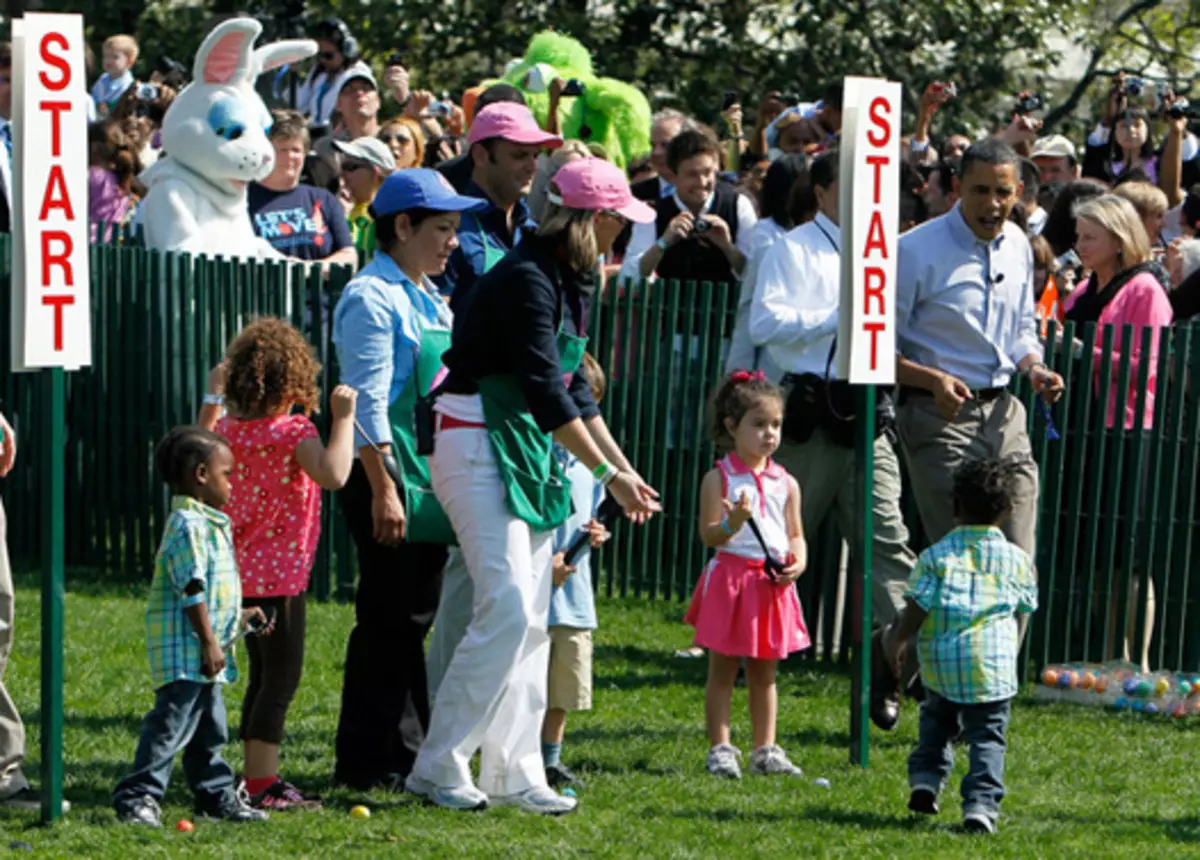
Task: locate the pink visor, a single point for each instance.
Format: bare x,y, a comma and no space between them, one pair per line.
593,183
512,122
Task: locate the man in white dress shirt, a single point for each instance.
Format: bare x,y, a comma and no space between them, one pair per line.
795,316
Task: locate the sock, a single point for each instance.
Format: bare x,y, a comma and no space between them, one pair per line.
551,754
258,786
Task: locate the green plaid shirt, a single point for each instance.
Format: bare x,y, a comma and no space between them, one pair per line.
197,544
972,583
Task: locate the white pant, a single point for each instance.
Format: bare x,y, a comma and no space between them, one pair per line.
451,622
493,695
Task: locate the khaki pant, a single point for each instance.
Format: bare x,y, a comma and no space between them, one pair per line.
935,447
12,730
825,473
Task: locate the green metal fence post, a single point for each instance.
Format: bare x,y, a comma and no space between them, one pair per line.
864,539
53,476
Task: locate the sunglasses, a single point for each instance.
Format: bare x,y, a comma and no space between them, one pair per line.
326,55
403,140
614,215
352,166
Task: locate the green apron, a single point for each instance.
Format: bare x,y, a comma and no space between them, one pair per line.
535,486
426,520
491,254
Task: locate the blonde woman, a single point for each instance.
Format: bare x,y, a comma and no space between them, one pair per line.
1122,289
406,140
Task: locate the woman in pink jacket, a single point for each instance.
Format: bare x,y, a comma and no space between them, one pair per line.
1122,290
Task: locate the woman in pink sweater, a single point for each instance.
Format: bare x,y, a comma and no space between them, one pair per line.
1122,289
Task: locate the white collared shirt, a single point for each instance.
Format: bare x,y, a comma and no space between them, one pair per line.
794,313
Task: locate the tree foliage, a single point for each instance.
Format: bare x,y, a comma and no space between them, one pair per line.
687,53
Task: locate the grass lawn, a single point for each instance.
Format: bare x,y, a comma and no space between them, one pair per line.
1083,783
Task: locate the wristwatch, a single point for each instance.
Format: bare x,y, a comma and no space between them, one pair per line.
662,244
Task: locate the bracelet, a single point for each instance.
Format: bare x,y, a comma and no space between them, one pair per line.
605,473
662,244
214,399
728,529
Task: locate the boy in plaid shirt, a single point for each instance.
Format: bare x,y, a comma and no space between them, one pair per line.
194,612
970,596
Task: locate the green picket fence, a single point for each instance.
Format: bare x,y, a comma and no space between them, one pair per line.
160,322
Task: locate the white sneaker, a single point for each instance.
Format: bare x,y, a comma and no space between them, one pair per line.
770,759
723,761
539,800
462,798
978,822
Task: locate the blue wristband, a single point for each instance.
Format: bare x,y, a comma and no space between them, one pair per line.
190,600
725,527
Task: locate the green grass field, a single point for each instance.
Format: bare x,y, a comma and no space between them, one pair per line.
1082,783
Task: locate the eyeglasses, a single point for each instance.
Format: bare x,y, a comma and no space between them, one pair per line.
403,140
351,166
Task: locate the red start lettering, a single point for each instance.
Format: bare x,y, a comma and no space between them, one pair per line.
58,303
60,257
881,132
58,61
56,196
55,109
878,162
874,329
875,237
875,283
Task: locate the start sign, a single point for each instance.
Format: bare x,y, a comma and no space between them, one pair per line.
50,170
869,210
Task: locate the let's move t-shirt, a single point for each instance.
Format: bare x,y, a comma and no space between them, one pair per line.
307,223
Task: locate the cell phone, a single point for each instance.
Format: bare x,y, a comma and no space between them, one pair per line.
731,98
440,109
396,59
1030,102
147,92
573,88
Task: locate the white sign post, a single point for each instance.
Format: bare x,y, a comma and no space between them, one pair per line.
51,303
869,214
869,207
51,171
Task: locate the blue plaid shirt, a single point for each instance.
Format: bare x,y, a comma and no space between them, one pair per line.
197,545
972,583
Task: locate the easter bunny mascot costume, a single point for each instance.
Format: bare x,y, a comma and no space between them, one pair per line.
215,137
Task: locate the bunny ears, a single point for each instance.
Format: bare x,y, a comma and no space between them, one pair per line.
228,55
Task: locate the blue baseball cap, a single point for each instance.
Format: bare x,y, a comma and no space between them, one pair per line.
421,188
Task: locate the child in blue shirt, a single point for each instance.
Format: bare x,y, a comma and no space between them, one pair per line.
119,55
572,606
970,596
193,615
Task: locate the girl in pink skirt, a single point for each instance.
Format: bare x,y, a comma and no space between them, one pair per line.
742,609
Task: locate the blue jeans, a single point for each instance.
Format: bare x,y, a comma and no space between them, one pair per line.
984,727
190,717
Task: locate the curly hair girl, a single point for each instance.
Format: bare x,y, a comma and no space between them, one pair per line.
736,394
270,368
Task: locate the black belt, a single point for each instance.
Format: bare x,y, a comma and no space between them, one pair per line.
986,395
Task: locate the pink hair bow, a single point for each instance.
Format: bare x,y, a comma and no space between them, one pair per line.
747,376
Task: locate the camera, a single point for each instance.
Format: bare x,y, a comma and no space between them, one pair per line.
147,92
731,98
1134,86
396,59
573,88
1183,109
701,226
441,109
1030,102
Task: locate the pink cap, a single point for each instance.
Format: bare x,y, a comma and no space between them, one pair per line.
512,122
593,183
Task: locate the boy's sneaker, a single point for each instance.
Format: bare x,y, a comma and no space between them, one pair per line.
231,806
462,798
143,810
723,761
539,800
770,759
978,822
557,776
923,801
281,795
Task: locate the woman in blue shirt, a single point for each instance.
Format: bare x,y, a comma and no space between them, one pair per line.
390,327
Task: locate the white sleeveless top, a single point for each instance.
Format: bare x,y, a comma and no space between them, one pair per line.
768,494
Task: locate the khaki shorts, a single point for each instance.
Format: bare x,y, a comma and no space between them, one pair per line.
570,687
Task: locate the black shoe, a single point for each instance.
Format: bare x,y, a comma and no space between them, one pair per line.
923,801
885,688
231,806
557,776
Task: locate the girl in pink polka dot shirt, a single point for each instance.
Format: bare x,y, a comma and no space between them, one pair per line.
268,384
